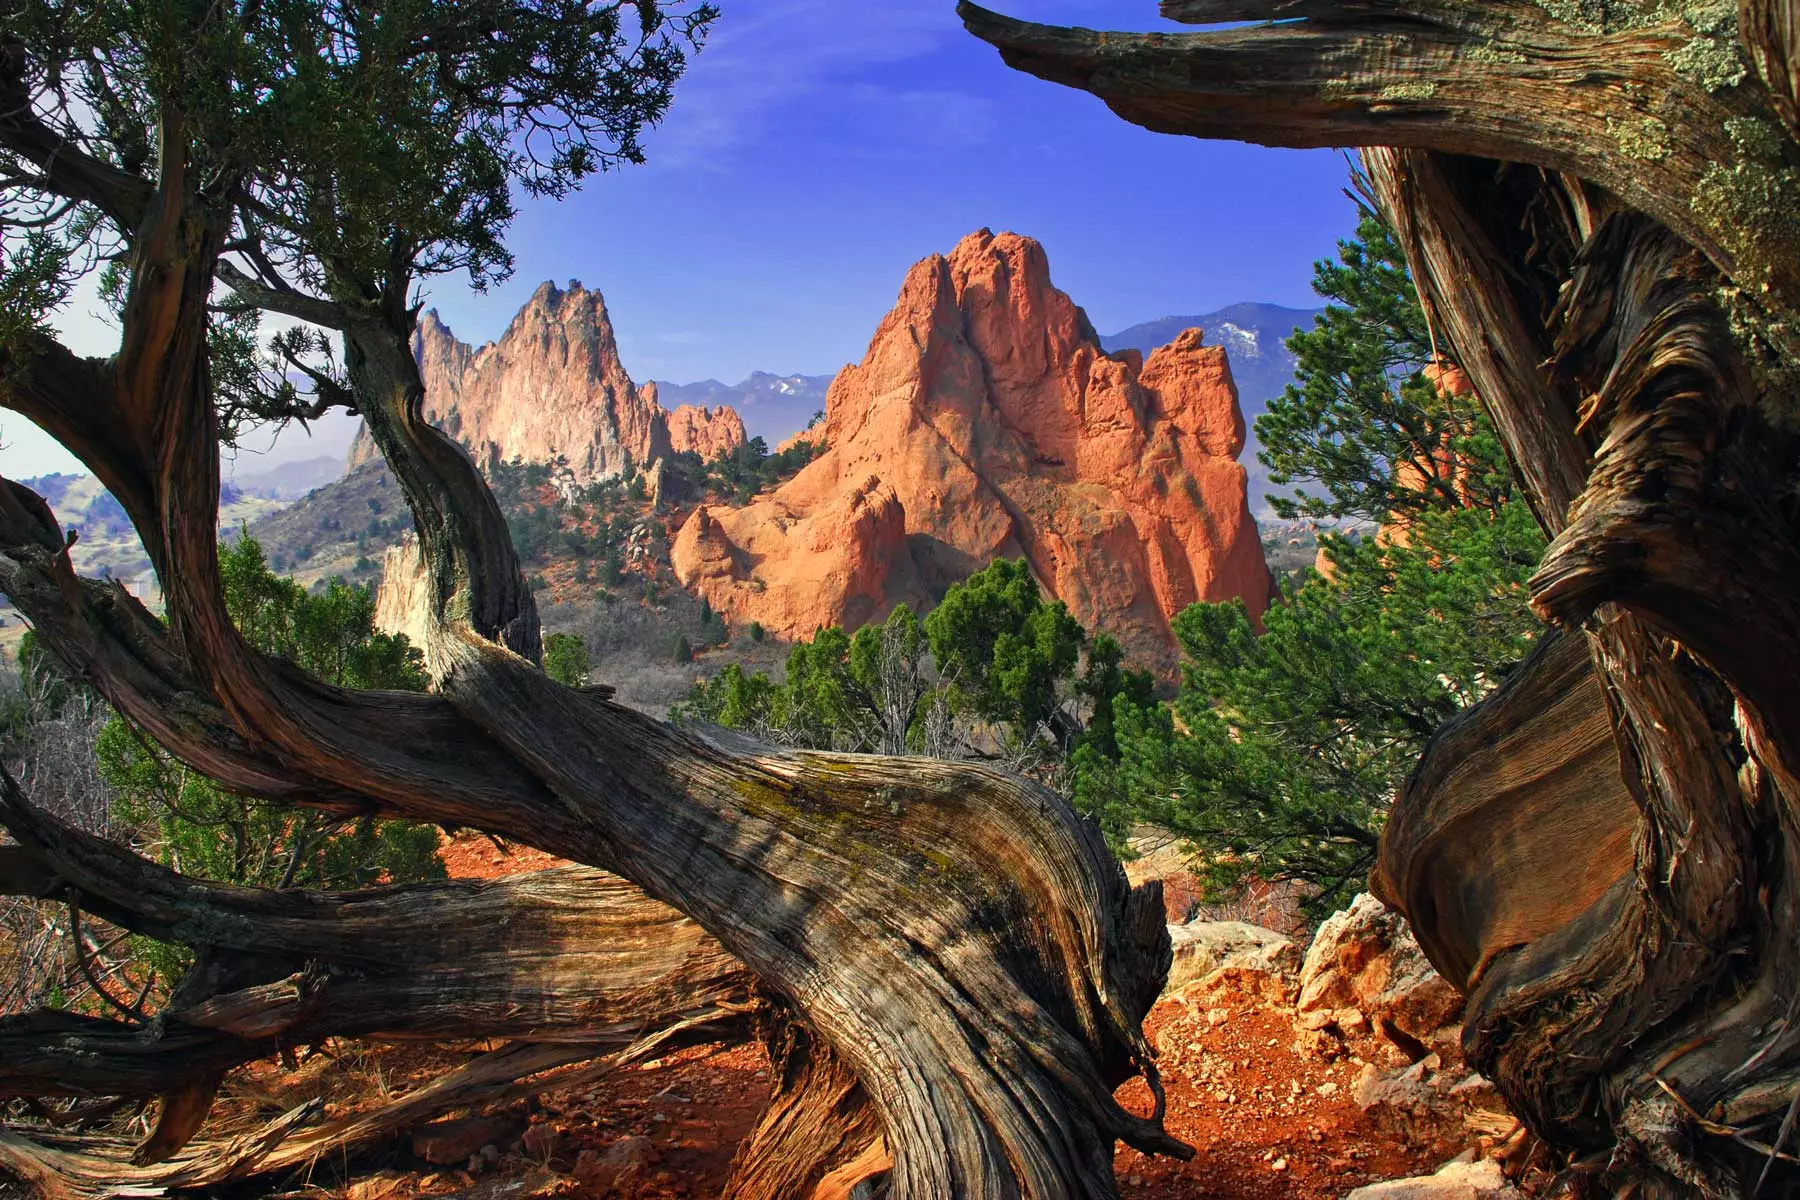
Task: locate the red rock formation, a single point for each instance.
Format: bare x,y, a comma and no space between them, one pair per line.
1443,469
985,420
708,432
835,564
812,435
553,387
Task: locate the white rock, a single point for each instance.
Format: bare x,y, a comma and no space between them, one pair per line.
1455,1181
1203,947
1365,959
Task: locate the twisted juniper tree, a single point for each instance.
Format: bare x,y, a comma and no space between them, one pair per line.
948,965
1600,202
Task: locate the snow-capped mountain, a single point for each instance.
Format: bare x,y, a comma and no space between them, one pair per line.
773,406
1255,337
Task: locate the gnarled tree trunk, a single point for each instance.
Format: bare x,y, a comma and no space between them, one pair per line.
1598,204
963,961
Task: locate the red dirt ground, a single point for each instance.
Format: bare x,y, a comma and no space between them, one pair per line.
1264,1121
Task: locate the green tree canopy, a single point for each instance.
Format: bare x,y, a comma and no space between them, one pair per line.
200,828
1004,649
343,150
1283,749
1363,424
886,690
566,659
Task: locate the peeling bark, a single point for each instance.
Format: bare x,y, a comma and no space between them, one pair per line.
956,941
1597,206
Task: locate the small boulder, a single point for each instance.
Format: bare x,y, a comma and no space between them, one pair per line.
1365,959
625,1162
1407,1091
1425,1103
540,1143
454,1142
1202,947
1481,1180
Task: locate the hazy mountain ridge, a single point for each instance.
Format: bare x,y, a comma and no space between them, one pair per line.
107,544
286,481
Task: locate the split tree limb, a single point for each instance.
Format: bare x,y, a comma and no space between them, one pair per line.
1498,80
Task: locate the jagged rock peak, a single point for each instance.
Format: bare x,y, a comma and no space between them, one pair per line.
552,387
987,410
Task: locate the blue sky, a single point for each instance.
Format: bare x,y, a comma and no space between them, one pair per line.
816,149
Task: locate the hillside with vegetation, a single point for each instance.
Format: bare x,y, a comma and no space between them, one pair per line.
294,904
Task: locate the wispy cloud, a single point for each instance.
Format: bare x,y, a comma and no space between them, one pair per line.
910,119
759,63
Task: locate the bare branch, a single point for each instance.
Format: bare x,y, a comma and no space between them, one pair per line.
1494,80
285,300
63,166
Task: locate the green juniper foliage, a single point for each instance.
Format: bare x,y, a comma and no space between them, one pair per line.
993,654
193,825
1363,426
1283,750
349,150
566,659
1005,650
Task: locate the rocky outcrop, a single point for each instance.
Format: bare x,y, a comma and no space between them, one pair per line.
1202,947
552,388
995,425
1477,1179
838,560
708,432
1365,970
812,435
403,601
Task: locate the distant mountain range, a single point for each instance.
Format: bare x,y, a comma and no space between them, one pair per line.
108,544
1255,337
773,406
1253,334
777,406
285,481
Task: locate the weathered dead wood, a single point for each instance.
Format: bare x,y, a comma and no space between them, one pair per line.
1601,96
576,961
1770,30
94,1167
928,944
1641,953
820,1136
571,954
1510,788
1609,248
78,1175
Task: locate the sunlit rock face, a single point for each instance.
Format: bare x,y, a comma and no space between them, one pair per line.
708,432
985,420
552,389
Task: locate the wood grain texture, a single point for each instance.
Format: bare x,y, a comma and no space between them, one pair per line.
1505,81
1526,783
1597,204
